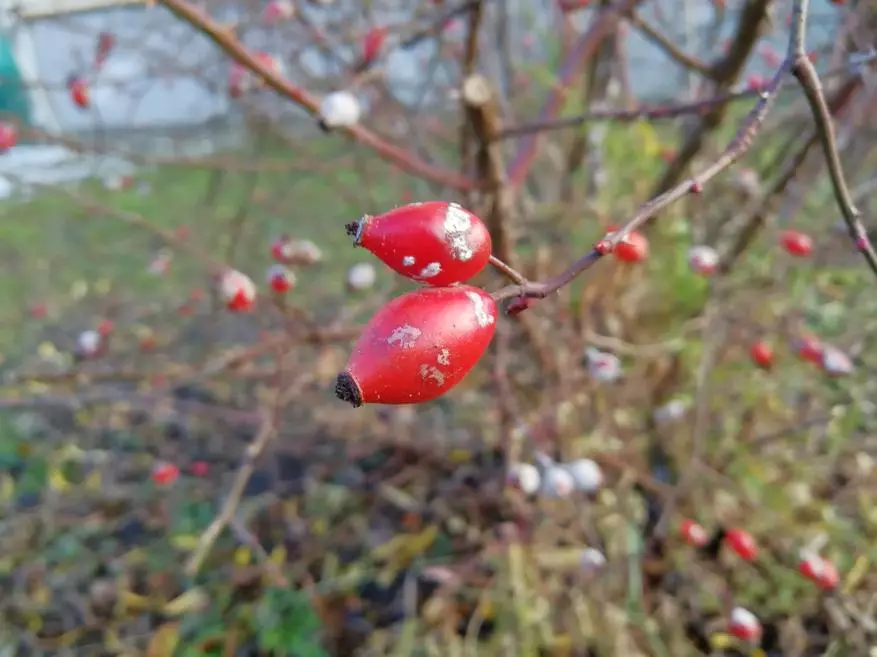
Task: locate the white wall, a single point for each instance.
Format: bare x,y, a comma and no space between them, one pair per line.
161,72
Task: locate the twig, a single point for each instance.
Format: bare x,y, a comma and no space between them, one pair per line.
734,150
231,45
809,81
230,506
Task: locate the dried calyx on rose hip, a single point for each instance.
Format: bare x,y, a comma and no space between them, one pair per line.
437,243
418,346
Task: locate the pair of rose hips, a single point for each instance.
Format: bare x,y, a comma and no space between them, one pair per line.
423,343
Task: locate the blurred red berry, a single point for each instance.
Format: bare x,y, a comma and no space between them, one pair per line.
200,468
693,533
762,354
373,43
8,136
633,248
744,625
742,544
810,348
79,92
165,474
796,243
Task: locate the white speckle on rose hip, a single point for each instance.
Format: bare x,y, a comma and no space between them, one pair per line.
405,336
408,261
457,225
483,317
432,372
431,270
444,357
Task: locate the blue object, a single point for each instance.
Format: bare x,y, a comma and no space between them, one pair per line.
14,99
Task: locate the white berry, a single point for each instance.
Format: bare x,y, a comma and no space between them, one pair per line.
586,474
557,482
340,109
361,276
524,477
592,560
703,259
603,366
89,342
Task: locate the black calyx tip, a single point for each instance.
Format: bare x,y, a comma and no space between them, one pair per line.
347,390
324,126
352,229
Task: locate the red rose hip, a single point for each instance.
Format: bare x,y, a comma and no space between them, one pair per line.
762,354
437,243
418,346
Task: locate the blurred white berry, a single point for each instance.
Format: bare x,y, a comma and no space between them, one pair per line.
543,461
237,290
592,560
835,362
304,252
703,259
361,276
673,410
603,366
744,624
586,474
160,263
88,343
557,482
277,10
524,477
339,109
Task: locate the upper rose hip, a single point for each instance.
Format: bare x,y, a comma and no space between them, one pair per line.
437,243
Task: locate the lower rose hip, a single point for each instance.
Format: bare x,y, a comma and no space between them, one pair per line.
419,346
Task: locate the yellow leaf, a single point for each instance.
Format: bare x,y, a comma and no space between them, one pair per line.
165,640
135,602
102,286
7,488
559,558
649,144
460,455
78,290
857,572
47,350
720,640
278,555
57,482
192,600
185,541
405,547
319,526
242,556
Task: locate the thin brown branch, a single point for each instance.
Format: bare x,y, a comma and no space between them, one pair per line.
232,46
670,49
809,81
734,150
